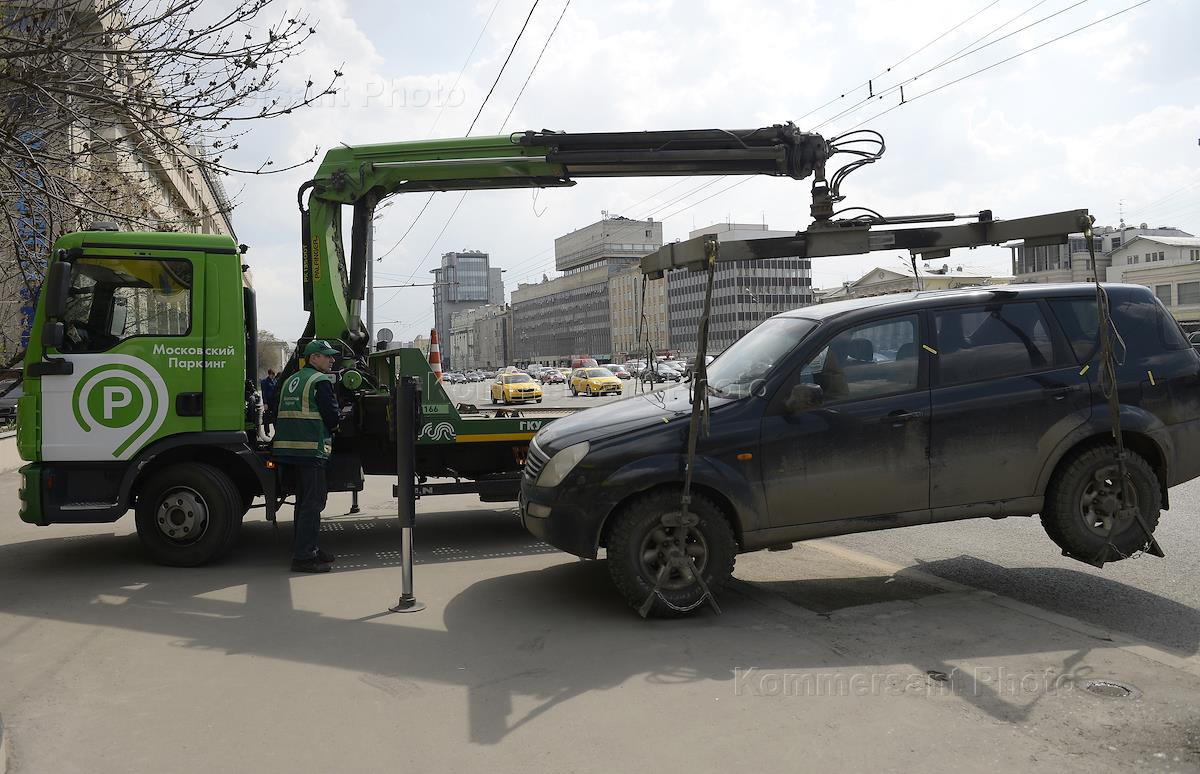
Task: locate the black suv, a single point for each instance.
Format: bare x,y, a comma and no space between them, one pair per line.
878,413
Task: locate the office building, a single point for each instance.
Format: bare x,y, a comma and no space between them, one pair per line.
465,280
744,292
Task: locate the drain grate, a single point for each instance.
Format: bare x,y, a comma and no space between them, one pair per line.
1111,689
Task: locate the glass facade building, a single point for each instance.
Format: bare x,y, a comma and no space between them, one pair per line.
465,280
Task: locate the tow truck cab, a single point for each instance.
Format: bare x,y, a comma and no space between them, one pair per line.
140,341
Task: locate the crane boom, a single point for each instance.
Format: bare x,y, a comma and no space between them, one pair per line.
363,176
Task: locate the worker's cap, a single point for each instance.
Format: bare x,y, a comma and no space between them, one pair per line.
318,347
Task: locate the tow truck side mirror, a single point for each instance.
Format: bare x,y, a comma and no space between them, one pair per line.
58,288
53,333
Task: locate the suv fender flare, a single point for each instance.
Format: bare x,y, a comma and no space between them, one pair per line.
746,508
1134,420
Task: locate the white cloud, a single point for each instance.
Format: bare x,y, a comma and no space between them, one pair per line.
1095,119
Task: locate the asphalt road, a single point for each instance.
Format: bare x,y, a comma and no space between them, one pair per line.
1157,600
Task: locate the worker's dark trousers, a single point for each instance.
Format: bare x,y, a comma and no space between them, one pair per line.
311,494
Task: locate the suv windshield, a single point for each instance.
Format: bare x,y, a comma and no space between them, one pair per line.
594,373
752,357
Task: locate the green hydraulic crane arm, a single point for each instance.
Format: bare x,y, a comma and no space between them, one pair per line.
365,175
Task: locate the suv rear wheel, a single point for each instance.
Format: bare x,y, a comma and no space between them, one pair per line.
637,550
1084,500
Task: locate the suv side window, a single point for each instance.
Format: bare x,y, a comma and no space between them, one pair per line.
868,361
1080,320
1143,324
978,343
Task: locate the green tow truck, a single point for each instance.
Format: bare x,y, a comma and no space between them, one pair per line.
140,387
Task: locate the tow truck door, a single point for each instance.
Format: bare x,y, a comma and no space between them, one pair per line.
135,342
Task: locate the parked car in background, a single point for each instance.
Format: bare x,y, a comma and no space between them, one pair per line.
10,391
660,372
594,382
690,365
584,362
620,372
990,407
551,376
515,388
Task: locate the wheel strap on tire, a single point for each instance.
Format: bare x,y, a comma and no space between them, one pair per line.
678,558
1108,386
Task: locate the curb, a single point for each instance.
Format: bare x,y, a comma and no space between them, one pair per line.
1121,641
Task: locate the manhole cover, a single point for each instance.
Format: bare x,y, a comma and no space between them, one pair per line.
1111,689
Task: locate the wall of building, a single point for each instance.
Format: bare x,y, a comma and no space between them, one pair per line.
1148,251
554,320
464,280
626,311
618,238
744,292
1072,262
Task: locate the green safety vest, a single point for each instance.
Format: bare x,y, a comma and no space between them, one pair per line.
299,429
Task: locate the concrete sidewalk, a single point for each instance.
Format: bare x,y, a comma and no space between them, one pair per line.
527,659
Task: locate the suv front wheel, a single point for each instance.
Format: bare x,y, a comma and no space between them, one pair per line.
638,547
1085,498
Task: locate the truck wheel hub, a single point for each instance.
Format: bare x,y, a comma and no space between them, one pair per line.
182,515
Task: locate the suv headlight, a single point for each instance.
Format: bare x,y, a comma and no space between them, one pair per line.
561,465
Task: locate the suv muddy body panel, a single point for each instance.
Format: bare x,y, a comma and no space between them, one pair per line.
934,407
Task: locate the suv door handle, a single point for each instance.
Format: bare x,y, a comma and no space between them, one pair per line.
1059,393
899,417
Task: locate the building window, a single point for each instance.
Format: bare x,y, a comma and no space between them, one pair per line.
1164,293
1189,293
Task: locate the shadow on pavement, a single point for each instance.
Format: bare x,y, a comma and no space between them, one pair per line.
1099,601
521,644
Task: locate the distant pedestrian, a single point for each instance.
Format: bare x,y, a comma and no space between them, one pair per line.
267,386
306,420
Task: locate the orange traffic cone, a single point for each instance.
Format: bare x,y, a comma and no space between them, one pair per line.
435,355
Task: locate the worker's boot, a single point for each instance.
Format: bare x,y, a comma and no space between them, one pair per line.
310,565
325,556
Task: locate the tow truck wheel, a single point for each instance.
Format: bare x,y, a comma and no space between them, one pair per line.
187,515
1085,499
638,548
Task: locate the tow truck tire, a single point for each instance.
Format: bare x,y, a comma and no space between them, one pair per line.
1081,499
197,502
633,562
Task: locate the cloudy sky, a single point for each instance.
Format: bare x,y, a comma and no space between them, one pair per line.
1105,118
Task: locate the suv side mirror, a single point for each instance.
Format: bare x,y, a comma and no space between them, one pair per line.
58,288
804,397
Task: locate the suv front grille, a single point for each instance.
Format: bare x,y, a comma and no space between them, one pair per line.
535,460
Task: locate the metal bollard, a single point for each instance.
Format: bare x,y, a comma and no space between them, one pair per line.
405,407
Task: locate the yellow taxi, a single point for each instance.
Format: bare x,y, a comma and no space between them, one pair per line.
515,388
594,381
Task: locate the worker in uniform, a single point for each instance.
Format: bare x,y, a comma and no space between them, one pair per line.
304,427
